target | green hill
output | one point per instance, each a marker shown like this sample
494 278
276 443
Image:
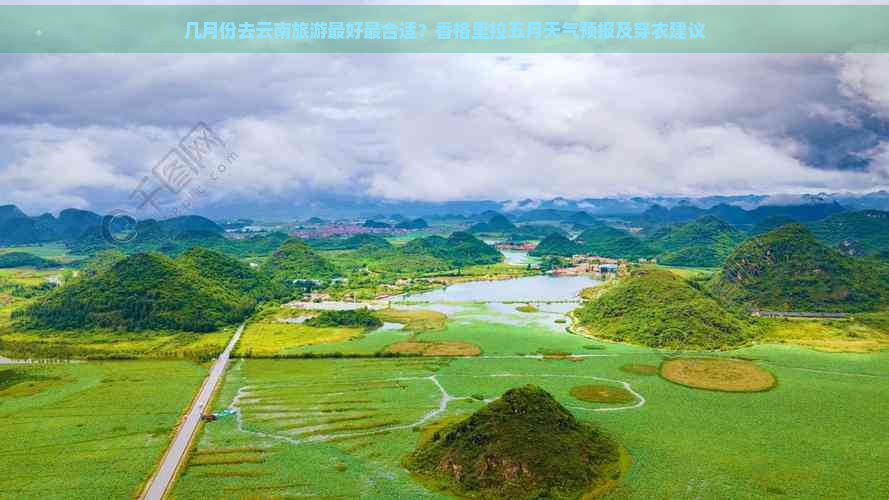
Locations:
788 269
558 245
657 308
144 291
606 241
294 260
497 224
24 259
703 242
458 250
230 273
770 223
523 445
362 240
862 233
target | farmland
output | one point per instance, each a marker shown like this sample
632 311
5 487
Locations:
341 427
88 430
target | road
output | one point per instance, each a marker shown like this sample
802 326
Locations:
165 474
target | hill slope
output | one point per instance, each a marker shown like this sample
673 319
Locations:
294 260
606 241
459 249
522 445
789 270
144 291
657 308
855 233
704 242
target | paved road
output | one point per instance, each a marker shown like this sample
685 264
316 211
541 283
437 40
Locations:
163 478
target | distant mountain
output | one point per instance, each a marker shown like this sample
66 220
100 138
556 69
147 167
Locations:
737 216
580 218
460 249
557 245
656 308
190 223
372 224
144 291
295 260
770 223
855 233
497 224
704 242
10 212
412 224
354 242
787 269
606 241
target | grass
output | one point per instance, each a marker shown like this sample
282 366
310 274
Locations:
602 393
90 430
435 348
825 416
848 335
414 320
272 338
527 308
112 344
54 251
718 374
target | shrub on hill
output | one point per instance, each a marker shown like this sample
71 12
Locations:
657 308
144 291
523 445
360 318
704 242
294 260
24 259
789 270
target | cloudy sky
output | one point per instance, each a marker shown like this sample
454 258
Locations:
82 130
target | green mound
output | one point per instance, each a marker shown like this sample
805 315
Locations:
144 291
227 271
606 241
458 250
24 259
704 242
523 445
657 308
558 245
362 318
787 269
864 233
294 260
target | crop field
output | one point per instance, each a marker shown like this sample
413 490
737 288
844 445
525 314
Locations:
88 430
53 251
341 427
112 344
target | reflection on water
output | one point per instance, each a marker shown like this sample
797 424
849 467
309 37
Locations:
529 289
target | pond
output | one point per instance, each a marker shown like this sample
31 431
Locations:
528 289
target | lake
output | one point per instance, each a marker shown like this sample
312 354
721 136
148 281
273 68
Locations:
528 289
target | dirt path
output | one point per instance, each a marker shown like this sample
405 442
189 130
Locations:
172 460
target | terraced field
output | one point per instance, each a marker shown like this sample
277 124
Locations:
340 427
88 430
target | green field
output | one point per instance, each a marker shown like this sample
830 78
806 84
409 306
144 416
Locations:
88 430
54 251
340 428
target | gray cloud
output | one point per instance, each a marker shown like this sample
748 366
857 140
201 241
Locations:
83 129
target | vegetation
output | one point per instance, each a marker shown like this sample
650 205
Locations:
354 318
294 260
523 445
144 291
90 430
704 242
556 245
789 270
414 320
458 250
358 241
23 259
606 241
412 224
729 375
657 308
864 233
602 393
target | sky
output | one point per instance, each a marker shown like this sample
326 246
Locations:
82 130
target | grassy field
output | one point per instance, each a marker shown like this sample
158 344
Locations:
340 428
112 344
88 430
844 335
53 251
